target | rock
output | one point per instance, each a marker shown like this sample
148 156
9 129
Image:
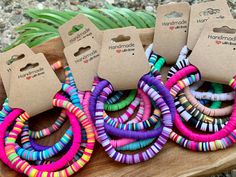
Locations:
111 1
7 2
3 46
73 8
8 9
18 12
55 3
91 5
40 6
17 6
2 25
1 5
40 0
5 36
149 8
16 19
74 3
13 36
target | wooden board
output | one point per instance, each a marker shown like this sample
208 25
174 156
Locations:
171 161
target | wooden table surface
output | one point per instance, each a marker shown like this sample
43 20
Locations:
171 161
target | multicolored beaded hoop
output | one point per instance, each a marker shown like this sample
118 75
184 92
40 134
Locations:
41 151
30 170
62 145
69 155
184 62
61 163
99 96
199 142
48 151
119 121
194 112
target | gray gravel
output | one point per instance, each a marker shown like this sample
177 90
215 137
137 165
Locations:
11 16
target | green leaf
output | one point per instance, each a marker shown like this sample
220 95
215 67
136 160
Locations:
60 15
119 19
47 22
100 24
75 28
49 16
151 13
106 18
109 6
36 26
148 19
51 20
131 16
26 39
17 42
35 33
94 13
71 13
43 39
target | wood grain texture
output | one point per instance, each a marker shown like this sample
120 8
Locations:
171 161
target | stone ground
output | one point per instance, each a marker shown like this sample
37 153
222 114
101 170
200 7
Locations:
12 16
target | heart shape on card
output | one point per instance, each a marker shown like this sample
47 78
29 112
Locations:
218 42
118 50
29 77
171 27
85 61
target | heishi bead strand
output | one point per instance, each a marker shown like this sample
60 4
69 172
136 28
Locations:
126 139
48 151
100 94
210 142
217 112
195 118
75 110
30 170
201 117
199 113
74 99
134 124
142 115
65 142
184 62
129 143
174 89
55 149
208 111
